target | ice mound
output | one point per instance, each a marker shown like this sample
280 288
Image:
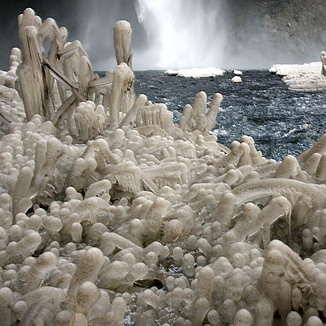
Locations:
236 79
196 72
306 77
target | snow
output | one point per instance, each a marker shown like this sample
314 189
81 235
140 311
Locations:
304 77
196 72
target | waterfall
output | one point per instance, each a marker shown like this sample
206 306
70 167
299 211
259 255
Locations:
183 33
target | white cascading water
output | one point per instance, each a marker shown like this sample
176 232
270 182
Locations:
183 33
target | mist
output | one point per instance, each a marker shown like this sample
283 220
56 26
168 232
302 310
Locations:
227 34
183 34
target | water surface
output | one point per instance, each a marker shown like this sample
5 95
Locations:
281 121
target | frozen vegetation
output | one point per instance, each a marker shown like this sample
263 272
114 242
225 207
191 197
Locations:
113 215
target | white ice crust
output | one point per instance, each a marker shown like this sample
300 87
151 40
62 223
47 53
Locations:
196 72
236 79
301 77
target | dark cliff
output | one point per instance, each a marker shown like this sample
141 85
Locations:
279 30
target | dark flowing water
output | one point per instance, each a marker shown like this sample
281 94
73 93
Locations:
281 121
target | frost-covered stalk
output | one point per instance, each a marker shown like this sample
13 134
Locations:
323 62
18 251
6 298
213 111
87 270
21 199
122 95
43 265
122 42
86 296
197 117
30 70
204 284
283 271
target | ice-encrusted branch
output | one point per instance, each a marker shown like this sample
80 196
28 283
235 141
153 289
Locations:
197 117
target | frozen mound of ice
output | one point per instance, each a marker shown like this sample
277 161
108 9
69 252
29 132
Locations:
236 79
306 77
196 72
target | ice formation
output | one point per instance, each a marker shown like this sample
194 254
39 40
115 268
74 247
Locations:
111 214
196 72
308 77
236 79
237 76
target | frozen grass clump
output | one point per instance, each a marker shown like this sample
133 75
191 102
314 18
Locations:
110 214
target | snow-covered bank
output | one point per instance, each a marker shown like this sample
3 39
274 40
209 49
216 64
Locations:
306 77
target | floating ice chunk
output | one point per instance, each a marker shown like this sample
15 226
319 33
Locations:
236 79
196 72
237 72
172 72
